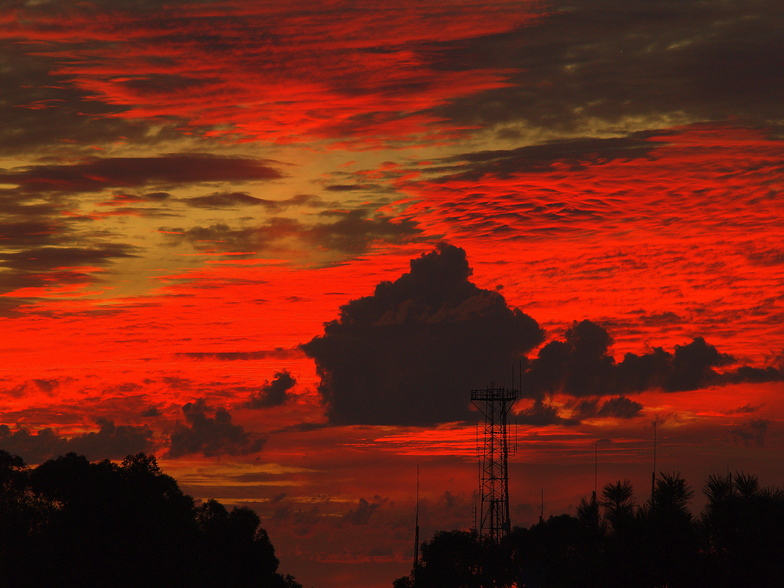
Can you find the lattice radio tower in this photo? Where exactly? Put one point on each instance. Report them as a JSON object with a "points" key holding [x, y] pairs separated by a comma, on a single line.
{"points": [[494, 404]]}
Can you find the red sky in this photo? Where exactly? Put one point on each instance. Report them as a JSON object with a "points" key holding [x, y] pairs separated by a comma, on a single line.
{"points": [[189, 192]]}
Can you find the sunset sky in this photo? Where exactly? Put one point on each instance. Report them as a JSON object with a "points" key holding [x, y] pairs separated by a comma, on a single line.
{"points": [[276, 244]]}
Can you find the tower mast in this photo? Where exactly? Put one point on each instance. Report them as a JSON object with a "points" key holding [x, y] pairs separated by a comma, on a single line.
{"points": [[494, 404], [416, 529]]}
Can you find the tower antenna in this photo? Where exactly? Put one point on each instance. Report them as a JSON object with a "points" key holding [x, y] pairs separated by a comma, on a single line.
{"points": [[653, 473], [495, 404], [416, 527], [596, 470]]}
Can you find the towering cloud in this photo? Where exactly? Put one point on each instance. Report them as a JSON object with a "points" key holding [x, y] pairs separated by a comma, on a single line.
{"points": [[410, 353]]}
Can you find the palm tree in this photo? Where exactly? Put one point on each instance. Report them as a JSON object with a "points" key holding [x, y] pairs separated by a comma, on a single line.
{"points": [[671, 496], [671, 541], [619, 504]]}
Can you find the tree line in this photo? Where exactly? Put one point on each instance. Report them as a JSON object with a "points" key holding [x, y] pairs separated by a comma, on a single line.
{"points": [[737, 541], [70, 522]]}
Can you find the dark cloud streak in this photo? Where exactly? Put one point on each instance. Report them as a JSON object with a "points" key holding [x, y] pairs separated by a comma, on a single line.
{"points": [[96, 174]]}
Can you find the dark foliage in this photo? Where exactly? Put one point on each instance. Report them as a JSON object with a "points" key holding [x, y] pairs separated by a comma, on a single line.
{"points": [[70, 522], [613, 542]]}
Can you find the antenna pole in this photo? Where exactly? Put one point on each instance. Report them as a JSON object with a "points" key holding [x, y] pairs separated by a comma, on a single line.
{"points": [[653, 474], [416, 528]]}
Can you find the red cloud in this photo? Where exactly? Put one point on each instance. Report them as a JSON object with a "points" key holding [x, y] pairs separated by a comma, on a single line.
{"points": [[259, 72]]}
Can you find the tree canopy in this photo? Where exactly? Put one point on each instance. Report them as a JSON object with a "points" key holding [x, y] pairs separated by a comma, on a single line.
{"points": [[616, 542], [70, 522]]}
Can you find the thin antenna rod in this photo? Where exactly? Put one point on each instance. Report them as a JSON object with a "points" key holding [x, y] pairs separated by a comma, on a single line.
{"points": [[653, 473], [520, 373], [416, 528]]}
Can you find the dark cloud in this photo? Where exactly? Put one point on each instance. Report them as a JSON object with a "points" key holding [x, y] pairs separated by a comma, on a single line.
{"points": [[767, 258], [354, 231], [570, 153], [600, 62], [40, 247], [233, 199], [755, 431], [410, 353], [620, 407], [95, 174], [579, 365], [351, 232], [582, 366], [274, 393], [277, 353], [539, 415], [110, 441], [211, 436], [44, 244], [754, 374], [45, 258], [344, 187], [40, 109], [692, 363], [364, 510]]}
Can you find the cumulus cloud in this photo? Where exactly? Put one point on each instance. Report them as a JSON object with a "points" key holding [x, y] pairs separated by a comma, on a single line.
{"points": [[274, 393], [211, 435], [410, 353], [581, 366], [110, 441]]}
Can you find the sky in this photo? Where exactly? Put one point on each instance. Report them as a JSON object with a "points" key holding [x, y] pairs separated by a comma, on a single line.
{"points": [[278, 244]]}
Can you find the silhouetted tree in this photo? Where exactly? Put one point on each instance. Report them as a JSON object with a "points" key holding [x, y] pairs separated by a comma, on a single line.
{"points": [[595, 534], [743, 532], [70, 522], [669, 535], [736, 542]]}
